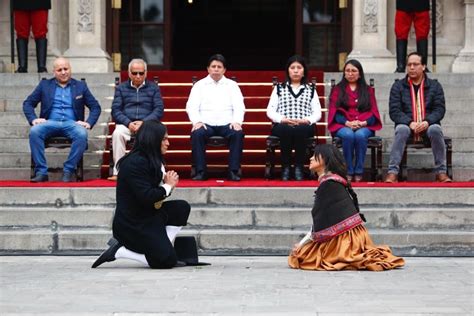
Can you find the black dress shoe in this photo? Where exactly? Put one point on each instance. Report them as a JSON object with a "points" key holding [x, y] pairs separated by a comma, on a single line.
{"points": [[67, 177], [299, 174], [109, 254], [180, 264], [233, 176], [40, 178], [200, 176], [285, 173]]}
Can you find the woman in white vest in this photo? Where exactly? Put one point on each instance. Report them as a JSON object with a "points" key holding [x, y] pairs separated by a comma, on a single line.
{"points": [[294, 108]]}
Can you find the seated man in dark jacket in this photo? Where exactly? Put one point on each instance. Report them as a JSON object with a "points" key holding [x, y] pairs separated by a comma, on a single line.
{"points": [[417, 106], [62, 114], [135, 101]]}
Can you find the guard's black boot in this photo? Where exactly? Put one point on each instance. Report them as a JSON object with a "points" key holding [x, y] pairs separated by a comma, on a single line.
{"points": [[401, 55], [22, 49], [41, 52], [422, 48]]}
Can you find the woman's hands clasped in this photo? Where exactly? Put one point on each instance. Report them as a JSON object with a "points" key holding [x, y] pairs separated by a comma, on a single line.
{"points": [[171, 178], [295, 122]]}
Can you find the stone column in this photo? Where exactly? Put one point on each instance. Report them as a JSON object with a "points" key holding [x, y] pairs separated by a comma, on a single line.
{"points": [[464, 62], [370, 36], [87, 37], [5, 36]]}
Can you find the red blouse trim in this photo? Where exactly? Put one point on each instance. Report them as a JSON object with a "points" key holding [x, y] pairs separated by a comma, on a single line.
{"points": [[333, 126], [337, 229], [334, 177]]}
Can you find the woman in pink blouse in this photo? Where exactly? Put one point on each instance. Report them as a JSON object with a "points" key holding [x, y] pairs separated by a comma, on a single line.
{"points": [[353, 117]]}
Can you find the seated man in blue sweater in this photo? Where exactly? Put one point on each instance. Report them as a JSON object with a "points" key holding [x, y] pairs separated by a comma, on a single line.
{"points": [[62, 101], [135, 101]]}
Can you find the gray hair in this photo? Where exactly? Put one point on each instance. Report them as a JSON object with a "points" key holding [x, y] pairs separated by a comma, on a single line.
{"points": [[136, 61]]}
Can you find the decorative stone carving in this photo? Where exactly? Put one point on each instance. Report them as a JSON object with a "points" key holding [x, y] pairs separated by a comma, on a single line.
{"points": [[84, 23], [370, 16]]}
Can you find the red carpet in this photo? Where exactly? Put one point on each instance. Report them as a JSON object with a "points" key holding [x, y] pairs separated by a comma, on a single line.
{"points": [[244, 183]]}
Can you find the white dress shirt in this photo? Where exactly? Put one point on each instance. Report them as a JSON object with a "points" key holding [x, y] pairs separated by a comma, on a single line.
{"points": [[215, 103], [276, 117]]}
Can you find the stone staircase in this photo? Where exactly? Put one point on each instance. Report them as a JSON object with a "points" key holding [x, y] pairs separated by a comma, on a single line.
{"points": [[14, 129], [15, 152], [238, 221], [457, 124]]}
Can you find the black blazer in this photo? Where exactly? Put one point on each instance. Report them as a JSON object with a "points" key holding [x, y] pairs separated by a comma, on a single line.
{"points": [[138, 189], [44, 94]]}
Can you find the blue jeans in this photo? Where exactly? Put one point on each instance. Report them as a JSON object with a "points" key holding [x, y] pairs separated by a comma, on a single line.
{"points": [[403, 132], [354, 142], [70, 129]]}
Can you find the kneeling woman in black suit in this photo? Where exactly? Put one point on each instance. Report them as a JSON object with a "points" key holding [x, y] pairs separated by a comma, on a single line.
{"points": [[145, 225]]}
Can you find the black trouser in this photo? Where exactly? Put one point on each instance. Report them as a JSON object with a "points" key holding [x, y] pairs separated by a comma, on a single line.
{"points": [[161, 254], [199, 138], [292, 137]]}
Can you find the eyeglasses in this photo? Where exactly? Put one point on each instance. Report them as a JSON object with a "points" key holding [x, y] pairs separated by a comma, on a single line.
{"points": [[136, 73]]}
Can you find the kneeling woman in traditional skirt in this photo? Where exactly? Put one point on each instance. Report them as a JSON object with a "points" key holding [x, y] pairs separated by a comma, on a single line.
{"points": [[338, 239], [144, 225]]}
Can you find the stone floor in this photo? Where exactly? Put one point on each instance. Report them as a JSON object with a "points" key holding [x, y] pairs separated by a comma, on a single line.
{"points": [[66, 285]]}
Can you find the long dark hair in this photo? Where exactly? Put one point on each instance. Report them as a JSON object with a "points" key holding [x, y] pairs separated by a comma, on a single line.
{"points": [[333, 159], [148, 143], [363, 102], [299, 59], [335, 163]]}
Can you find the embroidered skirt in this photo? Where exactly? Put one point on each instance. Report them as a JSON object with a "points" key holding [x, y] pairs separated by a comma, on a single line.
{"points": [[352, 250]]}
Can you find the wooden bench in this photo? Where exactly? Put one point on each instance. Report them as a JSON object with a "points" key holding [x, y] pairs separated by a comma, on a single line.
{"points": [[60, 143], [273, 143], [213, 141], [375, 144], [425, 144], [111, 124]]}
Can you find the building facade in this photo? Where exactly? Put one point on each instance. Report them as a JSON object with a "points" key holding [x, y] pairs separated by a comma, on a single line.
{"points": [[103, 35]]}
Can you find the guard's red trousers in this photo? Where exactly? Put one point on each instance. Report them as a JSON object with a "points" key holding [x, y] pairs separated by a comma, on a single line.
{"points": [[36, 20], [403, 21]]}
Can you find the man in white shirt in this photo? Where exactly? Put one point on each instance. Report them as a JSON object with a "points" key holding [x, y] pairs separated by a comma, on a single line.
{"points": [[216, 108]]}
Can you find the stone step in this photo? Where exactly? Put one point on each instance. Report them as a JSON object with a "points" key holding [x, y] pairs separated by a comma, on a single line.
{"points": [[90, 173], [54, 159], [234, 242], [462, 131], [22, 130], [385, 80], [22, 91], [16, 105], [32, 79], [224, 217], [387, 198], [460, 174], [15, 123], [21, 145], [455, 104]]}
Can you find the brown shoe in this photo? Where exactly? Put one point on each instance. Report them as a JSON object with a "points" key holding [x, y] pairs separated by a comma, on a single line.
{"points": [[391, 178], [443, 177], [112, 178]]}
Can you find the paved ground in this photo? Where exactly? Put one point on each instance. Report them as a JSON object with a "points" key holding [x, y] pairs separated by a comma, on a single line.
{"points": [[232, 285]]}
